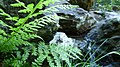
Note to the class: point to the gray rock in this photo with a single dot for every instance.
(61, 39)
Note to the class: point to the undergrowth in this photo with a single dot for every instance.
(16, 47)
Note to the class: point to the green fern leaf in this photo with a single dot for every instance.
(46, 3)
(3, 23)
(12, 18)
(1, 10)
(51, 61)
(30, 7)
(34, 51)
(5, 14)
(24, 11)
(39, 5)
(20, 21)
(17, 4)
(2, 32)
(25, 56)
(36, 14)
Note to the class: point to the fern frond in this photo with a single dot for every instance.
(8, 16)
(56, 55)
(46, 3)
(64, 53)
(17, 37)
(30, 7)
(2, 32)
(2, 13)
(42, 54)
(13, 18)
(18, 4)
(9, 44)
(54, 9)
(4, 24)
(20, 21)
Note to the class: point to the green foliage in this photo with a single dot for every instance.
(106, 4)
(55, 55)
(16, 45)
(22, 32)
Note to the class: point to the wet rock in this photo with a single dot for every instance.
(113, 64)
(76, 21)
(105, 29)
(61, 39)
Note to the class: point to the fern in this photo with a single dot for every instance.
(22, 32)
(17, 41)
(55, 55)
(64, 54)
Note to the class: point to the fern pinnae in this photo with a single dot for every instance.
(22, 24)
(18, 4)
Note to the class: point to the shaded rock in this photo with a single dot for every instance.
(116, 8)
(113, 64)
(76, 21)
(85, 4)
(103, 15)
(105, 29)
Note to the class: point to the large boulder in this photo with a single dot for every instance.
(107, 28)
(106, 37)
(75, 21)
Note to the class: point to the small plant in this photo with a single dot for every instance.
(91, 63)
